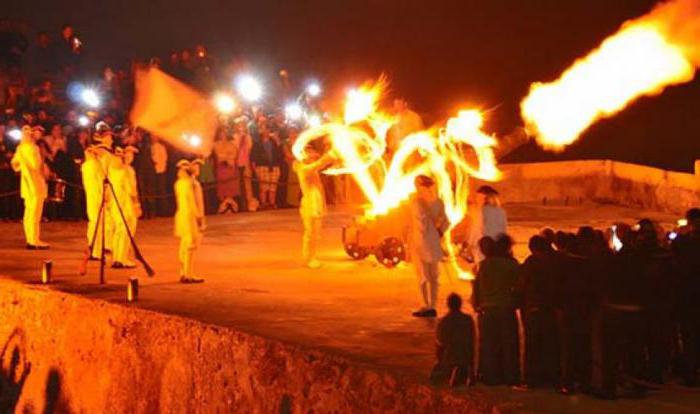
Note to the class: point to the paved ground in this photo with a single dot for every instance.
(254, 283)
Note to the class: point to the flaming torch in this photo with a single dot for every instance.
(358, 146)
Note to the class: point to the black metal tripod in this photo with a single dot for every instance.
(101, 215)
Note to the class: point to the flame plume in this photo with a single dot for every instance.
(644, 57)
(357, 145)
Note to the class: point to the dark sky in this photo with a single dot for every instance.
(439, 54)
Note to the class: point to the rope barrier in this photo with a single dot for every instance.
(169, 195)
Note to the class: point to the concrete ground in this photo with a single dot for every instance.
(361, 310)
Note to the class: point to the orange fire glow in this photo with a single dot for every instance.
(644, 57)
(445, 154)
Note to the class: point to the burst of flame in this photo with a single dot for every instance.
(444, 154)
(645, 56)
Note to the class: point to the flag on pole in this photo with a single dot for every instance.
(173, 111)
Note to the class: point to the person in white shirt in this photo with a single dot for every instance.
(428, 222)
(488, 219)
(407, 123)
(33, 190)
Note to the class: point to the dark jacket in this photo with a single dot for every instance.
(455, 340)
(494, 286)
(261, 158)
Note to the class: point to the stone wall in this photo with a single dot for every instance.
(64, 353)
(575, 182)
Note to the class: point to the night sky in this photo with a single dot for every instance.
(439, 54)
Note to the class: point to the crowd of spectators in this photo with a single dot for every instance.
(608, 313)
(248, 170)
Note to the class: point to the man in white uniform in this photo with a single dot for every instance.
(187, 222)
(33, 190)
(123, 180)
(313, 203)
(428, 223)
(93, 178)
(105, 156)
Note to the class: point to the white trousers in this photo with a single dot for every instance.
(428, 273)
(33, 207)
(188, 245)
(312, 234)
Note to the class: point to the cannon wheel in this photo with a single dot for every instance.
(390, 252)
(355, 251)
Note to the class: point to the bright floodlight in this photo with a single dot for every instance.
(249, 88)
(314, 89)
(314, 120)
(294, 111)
(224, 103)
(83, 120)
(15, 134)
(90, 97)
(193, 140)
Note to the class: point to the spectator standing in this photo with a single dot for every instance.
(536, 285)
(159, 157)
(686, 249)
(244, 144)
(265, 158)
(227, 181)
(494, 300)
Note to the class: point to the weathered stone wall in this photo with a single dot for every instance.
(576, 182)
(64, 353)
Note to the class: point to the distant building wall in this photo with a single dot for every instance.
(603, 181)
(598, 181)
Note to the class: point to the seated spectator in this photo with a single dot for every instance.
(455, 346)
(494, 300)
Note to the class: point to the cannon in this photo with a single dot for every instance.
(386, 236)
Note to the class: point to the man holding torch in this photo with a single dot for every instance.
(33, 190)
(428, 223)
(313, 202)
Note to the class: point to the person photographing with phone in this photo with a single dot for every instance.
(428, 222)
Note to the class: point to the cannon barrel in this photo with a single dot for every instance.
(509, 143)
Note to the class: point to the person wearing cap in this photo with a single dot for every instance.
(428, 222)
(187, 221)
(105, 155)
(93, 178)
(488, 219)
(33, 190)
(313, 202)
(126, 197)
